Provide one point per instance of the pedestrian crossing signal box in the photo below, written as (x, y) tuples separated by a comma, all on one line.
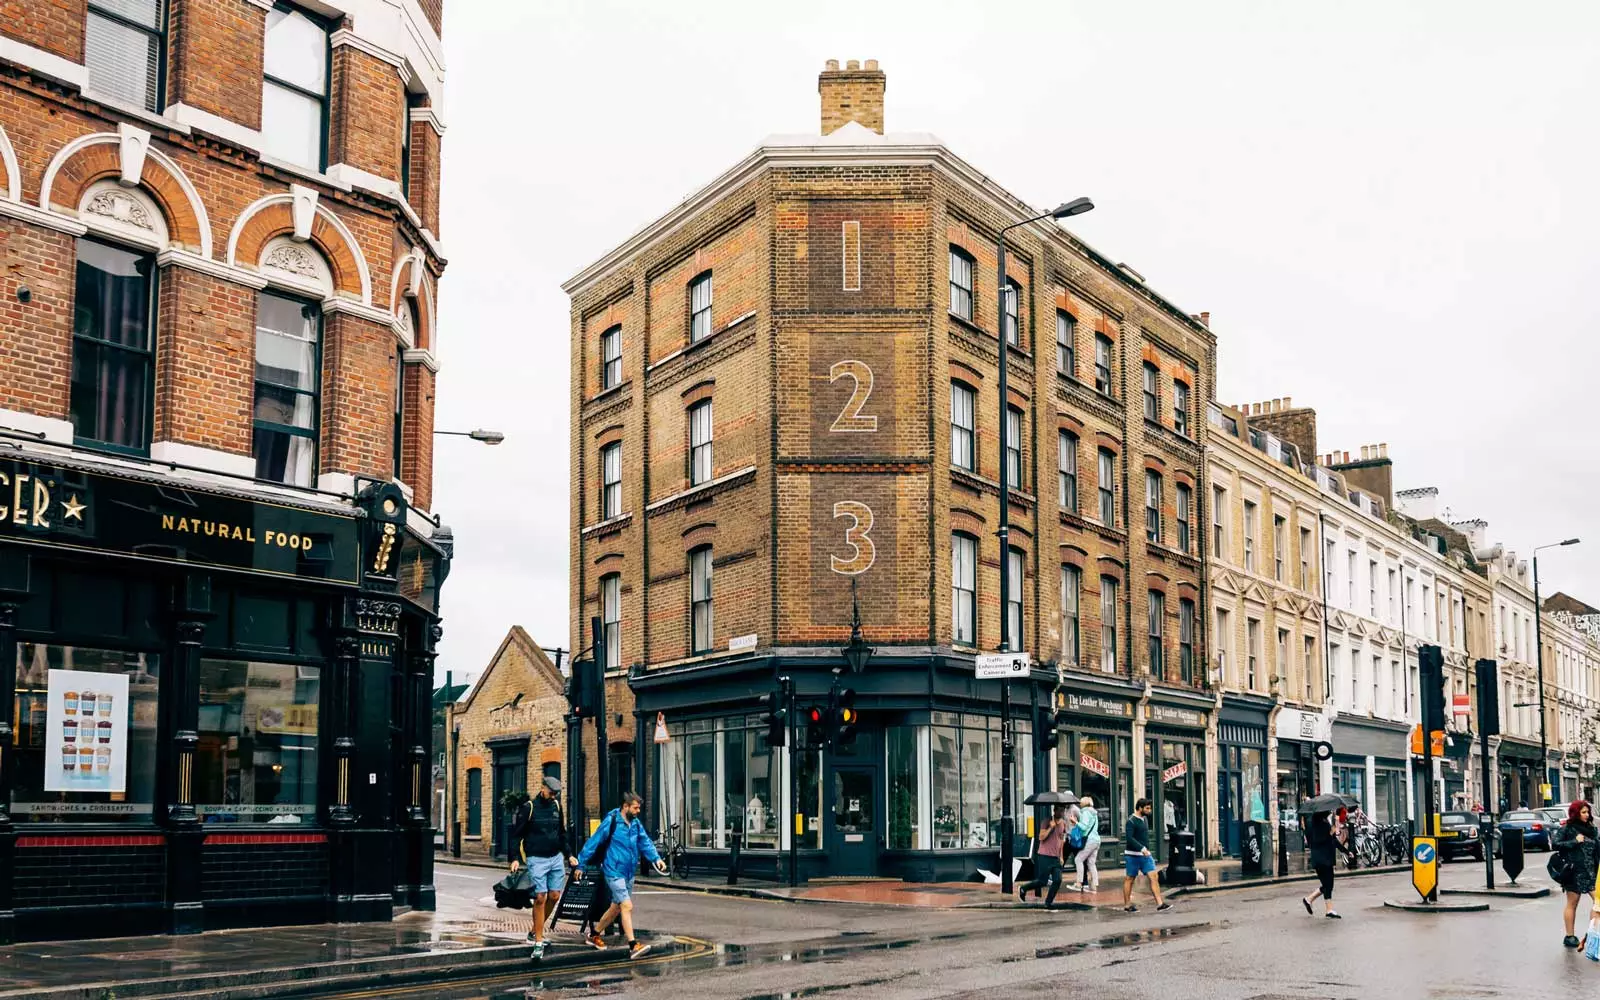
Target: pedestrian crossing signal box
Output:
[(1425, 868)]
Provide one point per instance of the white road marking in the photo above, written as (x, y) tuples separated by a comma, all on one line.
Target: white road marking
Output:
[(471, 878)]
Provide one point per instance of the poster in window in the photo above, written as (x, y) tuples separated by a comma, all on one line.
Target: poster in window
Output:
[(86, 737)]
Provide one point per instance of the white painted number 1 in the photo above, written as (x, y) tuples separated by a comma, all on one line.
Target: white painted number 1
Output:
[(864, 553), (850, 419)]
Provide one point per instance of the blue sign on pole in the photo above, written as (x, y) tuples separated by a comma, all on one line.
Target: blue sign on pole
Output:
[(1425, 853)]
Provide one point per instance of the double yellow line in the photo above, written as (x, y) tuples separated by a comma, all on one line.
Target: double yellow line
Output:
[(696, 948)]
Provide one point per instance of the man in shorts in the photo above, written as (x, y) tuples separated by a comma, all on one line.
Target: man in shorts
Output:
[(1137, 858), (540, 840), (627, 843)]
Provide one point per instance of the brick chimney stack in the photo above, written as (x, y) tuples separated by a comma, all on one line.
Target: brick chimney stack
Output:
[(852, 94)]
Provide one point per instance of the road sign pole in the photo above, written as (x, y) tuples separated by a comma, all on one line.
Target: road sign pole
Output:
[(1486, 830), (1007, 757)]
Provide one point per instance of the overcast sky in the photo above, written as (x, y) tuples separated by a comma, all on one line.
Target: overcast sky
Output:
[(1390, 210)]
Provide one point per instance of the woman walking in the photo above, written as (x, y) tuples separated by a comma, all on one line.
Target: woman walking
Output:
[(1047, 858), (1578, 845), (1322, 838), (1088, 830)]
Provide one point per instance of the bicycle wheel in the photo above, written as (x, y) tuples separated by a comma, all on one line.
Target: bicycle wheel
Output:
[(676, 864), (1370, 852)]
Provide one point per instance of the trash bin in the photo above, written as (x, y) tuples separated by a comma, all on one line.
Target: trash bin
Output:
[(1511, 852), (1180, 858), (1252, 850)]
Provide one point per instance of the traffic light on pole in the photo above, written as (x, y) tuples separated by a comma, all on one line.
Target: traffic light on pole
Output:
[(845, 717), (776, 706), (1430, 679), (1488, 697), (1045, 736), (816, 730)]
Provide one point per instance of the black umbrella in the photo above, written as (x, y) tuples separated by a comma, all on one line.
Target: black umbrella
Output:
[(1330, 802), (1062, 798)]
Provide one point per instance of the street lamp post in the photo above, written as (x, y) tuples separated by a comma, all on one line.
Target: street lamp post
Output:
[(487, 437), (1007, 741), (1538, 649)]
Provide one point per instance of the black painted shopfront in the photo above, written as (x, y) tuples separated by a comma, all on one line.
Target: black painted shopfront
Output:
[(214, 707), (1242, 787), (916, 796), (1095, 755), (1175, 771)]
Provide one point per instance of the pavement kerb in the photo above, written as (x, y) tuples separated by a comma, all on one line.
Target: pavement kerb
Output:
[(1256, 883), (256, 984)]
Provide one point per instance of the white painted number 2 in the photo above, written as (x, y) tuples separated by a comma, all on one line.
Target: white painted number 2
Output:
[(850, 419), (864, 553)]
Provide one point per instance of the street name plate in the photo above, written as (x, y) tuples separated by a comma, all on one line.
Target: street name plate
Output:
[(1002, 666)]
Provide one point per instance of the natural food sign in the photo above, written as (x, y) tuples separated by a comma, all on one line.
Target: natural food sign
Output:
[(86, 732)]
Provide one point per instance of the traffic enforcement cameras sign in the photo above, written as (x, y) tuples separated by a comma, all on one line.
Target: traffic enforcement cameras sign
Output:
[(1003, 666)]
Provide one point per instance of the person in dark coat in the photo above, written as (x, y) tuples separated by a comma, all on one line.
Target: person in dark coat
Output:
[(540, 840), (1323, 840), (1579, 844)]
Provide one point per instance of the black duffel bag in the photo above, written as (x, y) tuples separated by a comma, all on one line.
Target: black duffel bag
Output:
[(513, 891)]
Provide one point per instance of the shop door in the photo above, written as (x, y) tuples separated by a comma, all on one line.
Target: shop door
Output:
[(854, 840), (510, 775)]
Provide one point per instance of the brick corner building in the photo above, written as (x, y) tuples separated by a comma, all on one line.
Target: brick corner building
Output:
[(219, 261), (785, 401)]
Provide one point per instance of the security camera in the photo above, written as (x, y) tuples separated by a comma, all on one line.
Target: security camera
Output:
[(24, 293)]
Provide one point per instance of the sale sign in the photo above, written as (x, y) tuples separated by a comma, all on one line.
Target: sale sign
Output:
[(1094, 764)]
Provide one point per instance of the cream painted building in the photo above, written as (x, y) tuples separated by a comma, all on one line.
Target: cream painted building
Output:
[(1572, 661)]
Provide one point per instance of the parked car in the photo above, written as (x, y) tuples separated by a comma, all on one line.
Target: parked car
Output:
[(1460, 836), (1556, 816), (1534, 824)]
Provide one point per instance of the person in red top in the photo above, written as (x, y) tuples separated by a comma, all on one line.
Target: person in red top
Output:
[(1047, 858)]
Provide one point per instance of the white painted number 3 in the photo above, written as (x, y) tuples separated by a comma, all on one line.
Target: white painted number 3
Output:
[(864, 553), (850, 419)]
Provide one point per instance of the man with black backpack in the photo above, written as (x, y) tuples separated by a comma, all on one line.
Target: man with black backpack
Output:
[(540, 839), (620, 843)]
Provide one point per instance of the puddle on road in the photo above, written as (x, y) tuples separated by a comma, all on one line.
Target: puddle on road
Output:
[(727, 956), (1128, 940)]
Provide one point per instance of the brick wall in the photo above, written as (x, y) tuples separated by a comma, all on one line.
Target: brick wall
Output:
[(369, 112), (416, 455), (36, 336), (483, 722), (204, 331), (205, 361), (53, 25), (215, 50)]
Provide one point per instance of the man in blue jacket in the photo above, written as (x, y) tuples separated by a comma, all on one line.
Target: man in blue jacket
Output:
[(629, 844)]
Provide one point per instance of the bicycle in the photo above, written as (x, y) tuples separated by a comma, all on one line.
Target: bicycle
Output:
[(674, 853)]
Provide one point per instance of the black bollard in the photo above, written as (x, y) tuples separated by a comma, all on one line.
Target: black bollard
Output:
[(736, 838)]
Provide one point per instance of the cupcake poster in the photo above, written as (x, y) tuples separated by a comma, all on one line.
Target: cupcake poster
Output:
[(86, 734)]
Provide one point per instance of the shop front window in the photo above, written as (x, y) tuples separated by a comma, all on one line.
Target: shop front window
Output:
[(256, 761), (85, 734), (904, 784), (701, 794), (1095, 764), (965, 787)]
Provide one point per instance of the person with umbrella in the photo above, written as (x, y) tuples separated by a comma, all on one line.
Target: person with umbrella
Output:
[(1322, 838), (1049, 845)]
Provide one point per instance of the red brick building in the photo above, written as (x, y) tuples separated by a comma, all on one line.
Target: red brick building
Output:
[(785, 393), (219, 262)]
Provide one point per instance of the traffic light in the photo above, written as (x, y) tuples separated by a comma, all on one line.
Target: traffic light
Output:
[(776, 705), (1488, 697), (816, 730), (1430, 679), (1045, 736), (845, 717), (582, 689)]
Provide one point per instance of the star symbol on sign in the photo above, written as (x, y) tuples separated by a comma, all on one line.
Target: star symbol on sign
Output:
[(72, 510)]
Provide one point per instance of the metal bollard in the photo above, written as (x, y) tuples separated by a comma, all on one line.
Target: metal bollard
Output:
[(737, 841)]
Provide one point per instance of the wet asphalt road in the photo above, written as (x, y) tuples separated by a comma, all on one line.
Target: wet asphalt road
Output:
[(1255, 944)]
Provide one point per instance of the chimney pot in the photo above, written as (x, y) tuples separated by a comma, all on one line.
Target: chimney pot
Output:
[(1205, 319), (1366, 452), (1384, 448), (853, 64), (1346, 458), (833, 65), (872, 64), (1287, 404)]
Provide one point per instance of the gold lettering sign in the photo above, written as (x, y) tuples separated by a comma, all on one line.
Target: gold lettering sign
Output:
[(29, 506), (234, 532)]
